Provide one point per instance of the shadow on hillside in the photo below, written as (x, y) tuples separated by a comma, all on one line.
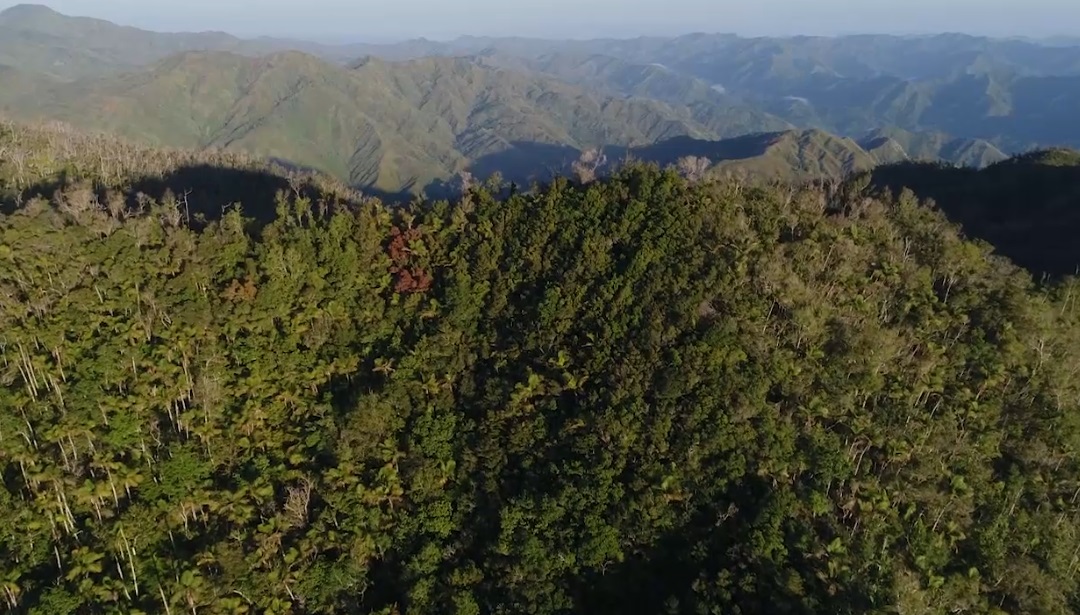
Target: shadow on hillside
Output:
[(671, 150), (1027, 209), (526, 162), (204, 191), (386, 196), (685, 568), (209, 191)]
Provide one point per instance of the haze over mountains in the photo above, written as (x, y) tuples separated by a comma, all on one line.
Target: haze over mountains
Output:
[(408, 117)]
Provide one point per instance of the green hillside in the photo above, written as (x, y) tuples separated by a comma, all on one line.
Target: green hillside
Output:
[(727, 116), (789, 156), (637, 395), (896, 145), (37, 39), (490, 109), (387, 126)]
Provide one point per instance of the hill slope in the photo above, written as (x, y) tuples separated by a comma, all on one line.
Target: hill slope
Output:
[(38, 39), (1027, 206), (41, 161), (728, 116), (787, 156), (895, 145), (389, 126), (1011, 93), (638, 395)]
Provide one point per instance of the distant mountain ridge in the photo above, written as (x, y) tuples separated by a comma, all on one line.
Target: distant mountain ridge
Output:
[(996, 90), (407, 116), (34, 37), (896, 145), (389, 126), (37, 38), (406, 126)]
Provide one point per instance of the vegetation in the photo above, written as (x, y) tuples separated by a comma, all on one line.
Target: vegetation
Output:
[(411, 118), (639, 394), (38, 39), (37, 161), (893, 145), (1025, 206), (385, 126), (611, 374), (412, 126)]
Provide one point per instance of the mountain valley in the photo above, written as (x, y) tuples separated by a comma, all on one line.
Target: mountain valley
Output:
[(410, 117)]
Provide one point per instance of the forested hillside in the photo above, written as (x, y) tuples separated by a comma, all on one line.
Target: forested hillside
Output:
[(641, 394)]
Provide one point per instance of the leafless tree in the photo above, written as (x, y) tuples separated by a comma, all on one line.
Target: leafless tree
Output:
[(587, 165), (297, 502), (465, 181), (693, 168)]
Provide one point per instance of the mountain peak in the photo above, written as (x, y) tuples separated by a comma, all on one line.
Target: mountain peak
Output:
[(294, 60), (26, 13), (28, 9)]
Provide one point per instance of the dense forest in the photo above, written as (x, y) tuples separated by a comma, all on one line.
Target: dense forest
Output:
[(225, 388)]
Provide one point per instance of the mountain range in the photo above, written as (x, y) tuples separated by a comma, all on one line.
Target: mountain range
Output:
[(407, 117), (386, 125)]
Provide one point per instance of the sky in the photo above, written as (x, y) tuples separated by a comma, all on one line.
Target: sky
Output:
[(388, 20)]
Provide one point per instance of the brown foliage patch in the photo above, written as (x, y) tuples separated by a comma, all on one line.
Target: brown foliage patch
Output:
[(238, 291), (410, 277)]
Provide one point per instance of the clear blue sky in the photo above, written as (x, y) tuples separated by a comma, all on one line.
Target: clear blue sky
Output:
[(396, 19)]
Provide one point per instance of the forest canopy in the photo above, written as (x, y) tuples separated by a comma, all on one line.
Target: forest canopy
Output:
[(639, 394)]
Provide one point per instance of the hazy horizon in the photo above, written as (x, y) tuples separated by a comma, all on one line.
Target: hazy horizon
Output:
[(340, 21)]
